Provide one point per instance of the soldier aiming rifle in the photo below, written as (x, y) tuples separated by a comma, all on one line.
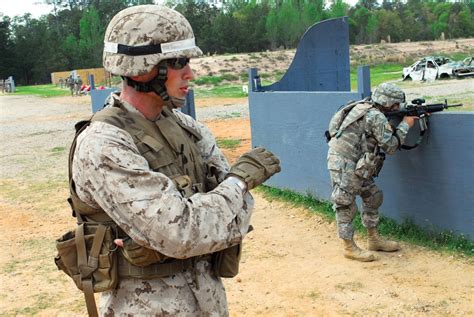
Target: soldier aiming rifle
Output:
[(419, 108)]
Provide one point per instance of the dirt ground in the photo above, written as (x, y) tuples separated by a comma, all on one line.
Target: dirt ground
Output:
[(292, 263)]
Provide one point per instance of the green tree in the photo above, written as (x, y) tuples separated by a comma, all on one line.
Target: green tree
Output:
[(31, 49), (441, 15), (312, 12), (338, 9), (251, 26), (271, 27), (359, 25), (461, 21), (389, 24), (201, 16), (91, 39), (70, 51), (6, 49)]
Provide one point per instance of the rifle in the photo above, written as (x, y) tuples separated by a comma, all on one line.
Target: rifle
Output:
[(420, 109)]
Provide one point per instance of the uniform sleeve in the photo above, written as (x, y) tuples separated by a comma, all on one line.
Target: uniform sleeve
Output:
[(207, 146), (379, 127), (110, 173)]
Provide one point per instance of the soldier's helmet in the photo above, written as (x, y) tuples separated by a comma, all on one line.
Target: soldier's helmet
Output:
[(387, 95), (140, 37)]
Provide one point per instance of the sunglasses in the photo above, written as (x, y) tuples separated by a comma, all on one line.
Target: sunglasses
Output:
[(178, 63)]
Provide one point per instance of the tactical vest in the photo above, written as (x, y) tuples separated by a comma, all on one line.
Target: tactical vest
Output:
[(88, 253), (168, 146)]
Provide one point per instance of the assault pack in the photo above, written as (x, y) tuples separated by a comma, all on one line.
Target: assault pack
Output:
[(339, 123)]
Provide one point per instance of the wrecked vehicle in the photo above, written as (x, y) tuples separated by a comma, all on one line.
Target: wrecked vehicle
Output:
[(429, 68), (464, 68)]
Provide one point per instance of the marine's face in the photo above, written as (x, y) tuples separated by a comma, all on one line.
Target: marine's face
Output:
[(395, 107), (179, 75)]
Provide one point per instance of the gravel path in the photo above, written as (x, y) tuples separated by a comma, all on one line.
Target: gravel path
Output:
[(223, 112)]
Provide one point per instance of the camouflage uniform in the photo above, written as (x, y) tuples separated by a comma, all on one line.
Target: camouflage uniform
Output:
[(109, 172), (78, 85), (357, 140)]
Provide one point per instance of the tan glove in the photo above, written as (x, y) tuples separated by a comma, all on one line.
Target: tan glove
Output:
[(140, 256), (255, 167)]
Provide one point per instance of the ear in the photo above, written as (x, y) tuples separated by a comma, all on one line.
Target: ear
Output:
[(146, 77)]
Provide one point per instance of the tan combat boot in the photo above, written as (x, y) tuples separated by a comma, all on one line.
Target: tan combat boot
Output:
[(377, 243), (353, 252)]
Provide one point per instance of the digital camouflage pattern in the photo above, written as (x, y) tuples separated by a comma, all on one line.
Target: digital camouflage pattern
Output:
[(109, 172), (388, 94), (145, 25), (358, 140)]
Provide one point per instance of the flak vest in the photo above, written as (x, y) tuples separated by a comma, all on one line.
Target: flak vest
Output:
[(169, 148), (88, 253)]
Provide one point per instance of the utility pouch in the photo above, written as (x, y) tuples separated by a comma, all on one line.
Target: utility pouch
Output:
[(139, 255), (365, 166), (369, 165), (225, 263), (88, 256)]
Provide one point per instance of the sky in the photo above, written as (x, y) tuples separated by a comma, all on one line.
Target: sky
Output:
[(37, 8), (20, 7)]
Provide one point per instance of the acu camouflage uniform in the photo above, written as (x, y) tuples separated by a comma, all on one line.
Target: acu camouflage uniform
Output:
[(348, 156), (109, 172)]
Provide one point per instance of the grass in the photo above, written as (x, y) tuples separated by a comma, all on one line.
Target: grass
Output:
[(228, 91), (215, 80), (228, 143), (58, 149), (42, 302), (42, 91), (407, 231), (379, 74)]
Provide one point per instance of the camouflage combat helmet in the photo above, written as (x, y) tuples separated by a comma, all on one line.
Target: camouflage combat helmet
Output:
[(387, 95), (140, 37)]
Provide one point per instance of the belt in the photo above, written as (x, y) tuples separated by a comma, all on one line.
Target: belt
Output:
[(158, 270)]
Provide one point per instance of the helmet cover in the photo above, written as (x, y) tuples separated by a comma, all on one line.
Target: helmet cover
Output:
[(387, 95), (138, 38)]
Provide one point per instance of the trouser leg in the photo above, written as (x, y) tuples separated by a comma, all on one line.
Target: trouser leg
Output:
[(344, 217), (372, 198)]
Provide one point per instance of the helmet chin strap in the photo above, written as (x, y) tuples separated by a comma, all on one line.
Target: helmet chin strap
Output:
[(157, 85)]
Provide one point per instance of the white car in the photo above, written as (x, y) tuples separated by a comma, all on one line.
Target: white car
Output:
[(429, 68), (464, 68)]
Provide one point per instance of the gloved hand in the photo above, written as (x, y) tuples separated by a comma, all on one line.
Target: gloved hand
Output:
[(255, 167), (138, 255)]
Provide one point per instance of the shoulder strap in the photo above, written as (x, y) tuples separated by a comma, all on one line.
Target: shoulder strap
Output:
[(169, 113), (78, 206), (355, 113)]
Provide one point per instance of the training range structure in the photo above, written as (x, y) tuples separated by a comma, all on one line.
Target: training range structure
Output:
[(431, 185)]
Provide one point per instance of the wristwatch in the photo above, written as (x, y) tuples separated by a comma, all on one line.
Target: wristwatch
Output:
[(237, 181)]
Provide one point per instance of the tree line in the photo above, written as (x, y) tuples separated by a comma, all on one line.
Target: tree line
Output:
[(71, 35)]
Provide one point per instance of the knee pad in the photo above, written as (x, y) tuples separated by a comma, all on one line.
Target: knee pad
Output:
[(341, 198), (375, 200)]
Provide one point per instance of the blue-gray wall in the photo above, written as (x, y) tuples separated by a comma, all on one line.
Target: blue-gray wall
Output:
[(321, 61), (431, 185)]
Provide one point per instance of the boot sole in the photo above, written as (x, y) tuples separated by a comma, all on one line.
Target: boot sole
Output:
[(371, 259), (384, 250)]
